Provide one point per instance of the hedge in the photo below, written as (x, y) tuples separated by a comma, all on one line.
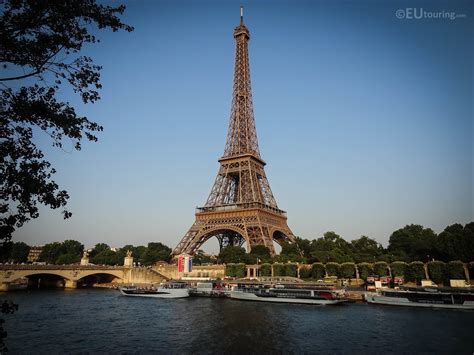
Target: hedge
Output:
[(240, 270), (380, 268), (317, 271), (455, 270), (415, 271), (365, 269), (332, 269), (305, 272), (266, 270), (347, 270), (235, 270), (279, 270), (291, 270), (437, 271), (398, 268)]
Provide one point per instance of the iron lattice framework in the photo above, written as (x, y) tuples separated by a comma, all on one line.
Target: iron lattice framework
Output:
[(241, 207)]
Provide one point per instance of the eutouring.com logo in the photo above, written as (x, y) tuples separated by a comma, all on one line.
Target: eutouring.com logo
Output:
[(413, 13)]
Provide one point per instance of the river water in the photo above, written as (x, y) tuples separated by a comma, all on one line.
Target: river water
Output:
[(100, 320)]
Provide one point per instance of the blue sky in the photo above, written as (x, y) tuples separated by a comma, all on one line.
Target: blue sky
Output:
[(365, 120)]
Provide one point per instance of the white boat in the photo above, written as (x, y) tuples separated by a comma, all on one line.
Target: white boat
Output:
[(168, 290), (423, 297), (289, 295)]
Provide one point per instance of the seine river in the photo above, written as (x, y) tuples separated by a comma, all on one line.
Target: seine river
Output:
[(98, 321)]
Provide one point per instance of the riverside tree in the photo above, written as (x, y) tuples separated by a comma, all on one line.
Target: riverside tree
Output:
[(40, 44)]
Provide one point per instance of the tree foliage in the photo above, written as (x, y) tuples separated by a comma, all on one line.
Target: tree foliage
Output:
[(318, 271), (456, 243), (40, 43), (347, 270), (398, 268), (380, 268), (19, 252), (413, 241), (201, 258), (415, 271), (333, 269), (259, 254), (66, 252), (305, 272), (232, 254), (437, 271), (156, 252), (266, 269), (455, 270), (291, 269), (279, 269), (365, 269)]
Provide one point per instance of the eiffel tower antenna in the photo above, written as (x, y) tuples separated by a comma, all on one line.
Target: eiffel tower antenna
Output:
[(241, 207)]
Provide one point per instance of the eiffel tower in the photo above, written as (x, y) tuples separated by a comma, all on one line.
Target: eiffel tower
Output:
[(241, 207)]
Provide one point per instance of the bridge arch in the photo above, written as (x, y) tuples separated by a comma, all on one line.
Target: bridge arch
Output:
[(97, 277), (16, 275)]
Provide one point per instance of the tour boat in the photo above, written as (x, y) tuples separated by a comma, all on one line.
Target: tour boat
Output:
[(289, 295), (423, 297), (168, 290)]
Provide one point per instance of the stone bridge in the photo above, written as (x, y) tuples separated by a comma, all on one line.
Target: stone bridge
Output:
[(69, 276)]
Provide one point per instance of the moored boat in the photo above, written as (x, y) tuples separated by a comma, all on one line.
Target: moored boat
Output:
[(289, 295), (168, 290), (423, 297)]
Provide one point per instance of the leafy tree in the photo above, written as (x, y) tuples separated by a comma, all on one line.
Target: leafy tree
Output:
[(398, 268), (5, 251), (232, 254), (240, 270), (347, 270), (455, 270), (72, 247), (471, 270), (305, 272), (437, 271), (291, 269), (51, 252), (365, 269), (415, 241), (40, 43), (260, 252), (266, 269), (330, 247), (415, 271), (297, 252), (380, 268), (318, 271), (19, 252), (456, 243), (230, 269), (156, 252), (365, 249), (279, 269), (98, 248), (106, 257), (7, 307), (202, 258), (67, 259), (333, 269)]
